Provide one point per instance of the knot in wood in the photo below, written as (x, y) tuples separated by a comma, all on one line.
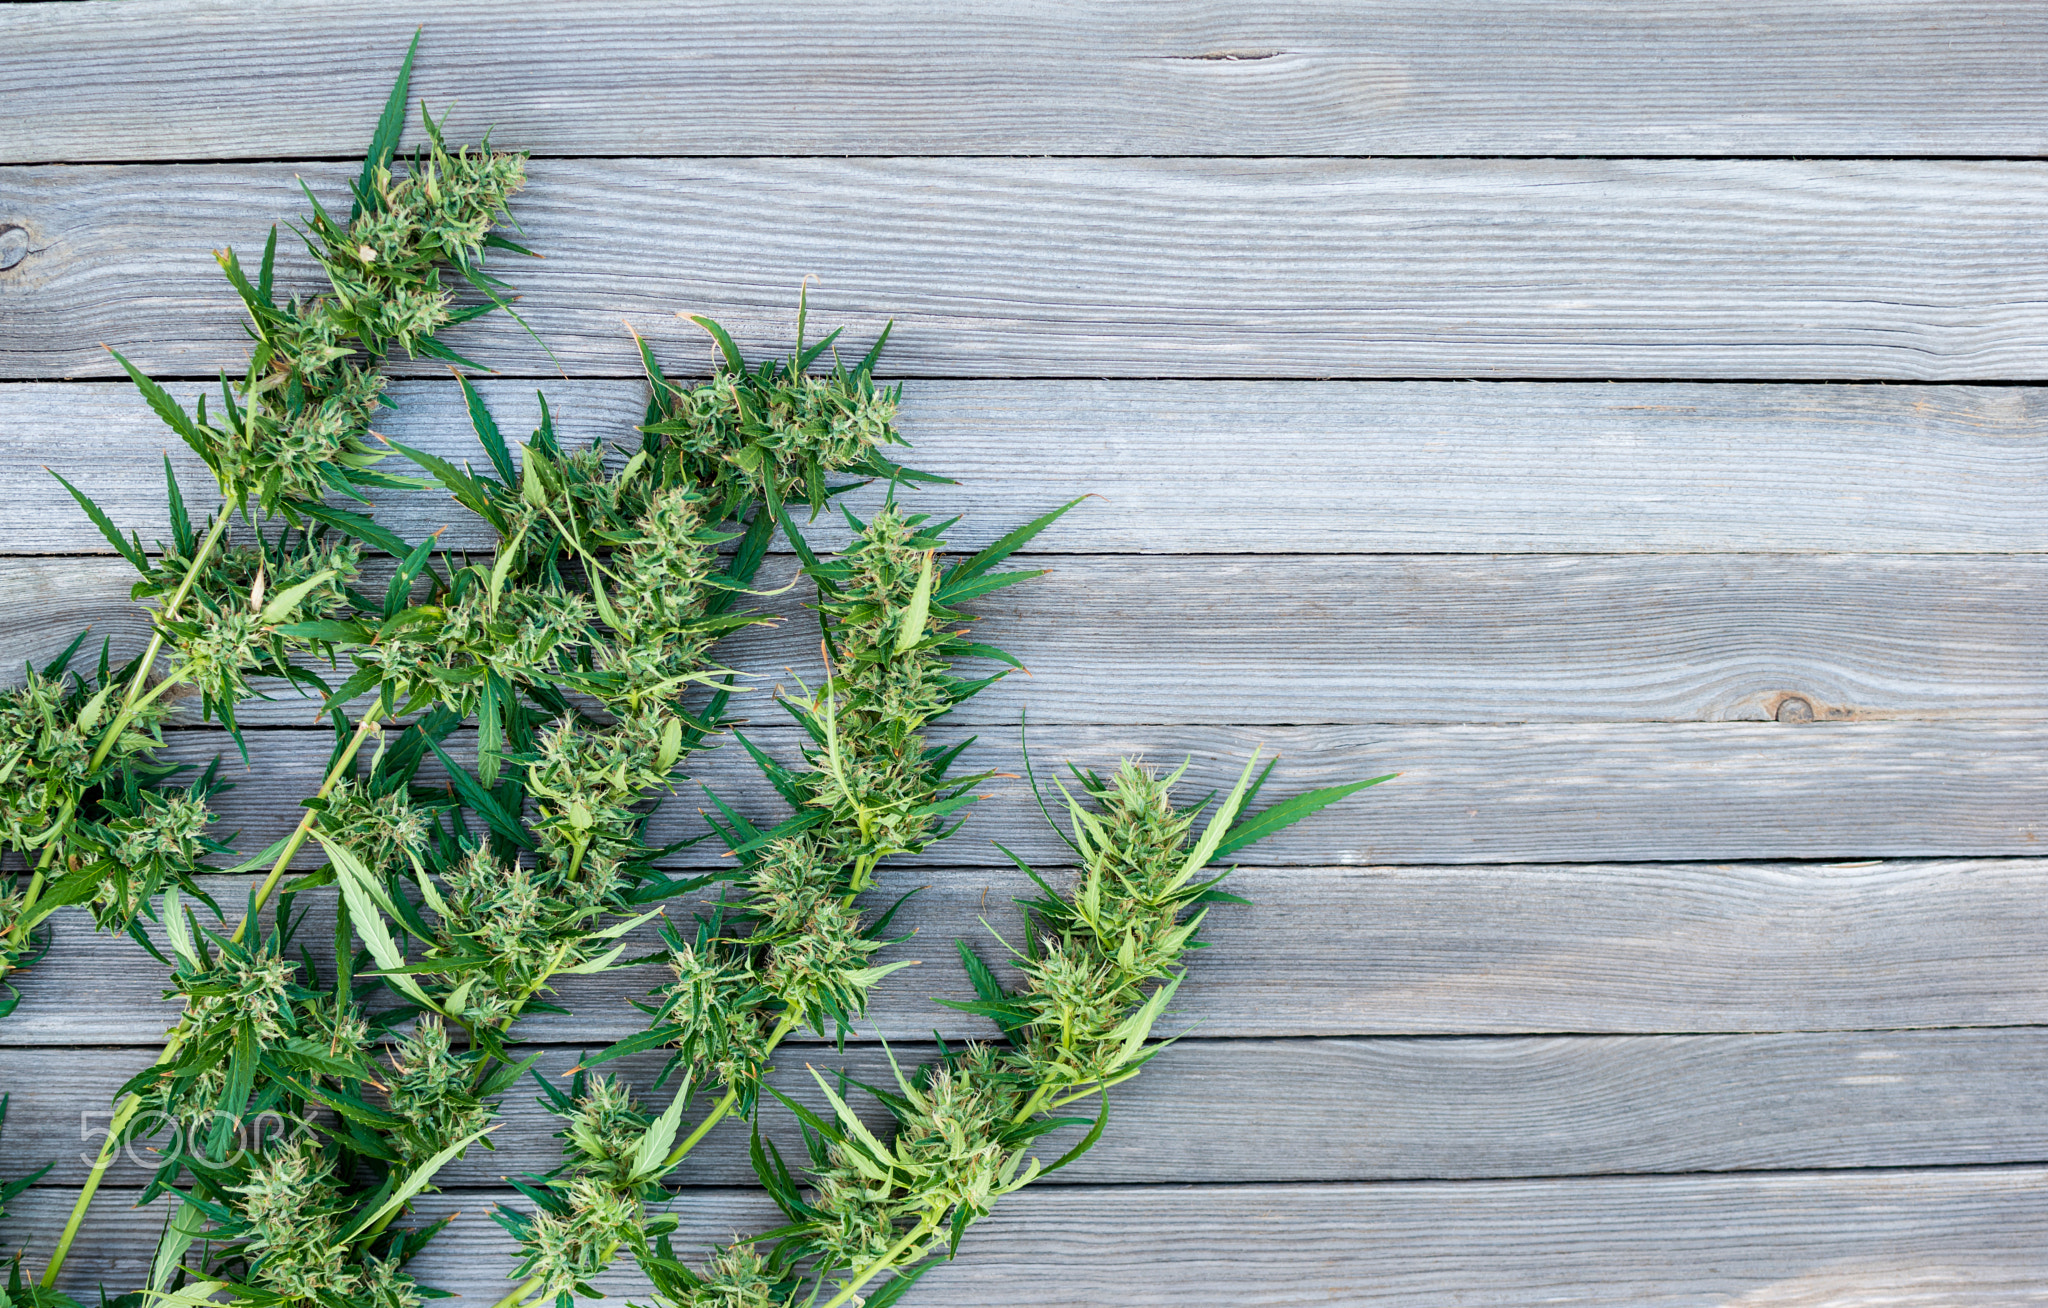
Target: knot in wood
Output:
[(13, 245), (1794, 709)]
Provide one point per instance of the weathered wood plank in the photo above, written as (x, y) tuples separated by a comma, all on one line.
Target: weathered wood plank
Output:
[(1968, 1238), (1012, 267), (1466, 794), (1622, 949), (1338, 1110), (1340, 467), (1410, 639), (1148, 78)]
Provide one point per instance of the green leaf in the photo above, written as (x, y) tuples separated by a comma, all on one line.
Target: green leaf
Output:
[(467, 490), (390, 126), (232, 266), (1002, 549), (339, 633), (481, 801), (733, 359), (1260, 825), (652, 1151), (1087, 1141), (434, 349), (911, 631), (269, 266), (311, 1056), (283, 602), (355, 524), (967, 588), (632, 1044), (197, 1294), (416, 1181), (899, 1284), (181, 521), (168, 409), (867, 363), (186, 1223), (978, 974), (362, 892), (105, 524), (1219, 823), (486, 428)]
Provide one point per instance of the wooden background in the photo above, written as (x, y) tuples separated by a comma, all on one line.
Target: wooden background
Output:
[(1616, 418)]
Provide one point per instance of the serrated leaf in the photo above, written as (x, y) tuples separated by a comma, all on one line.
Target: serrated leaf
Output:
[(1284, 814)]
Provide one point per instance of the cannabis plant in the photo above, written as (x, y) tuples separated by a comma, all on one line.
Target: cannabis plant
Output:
[(261, 1035), (789, 947), (299, 1111), (1104, 960)]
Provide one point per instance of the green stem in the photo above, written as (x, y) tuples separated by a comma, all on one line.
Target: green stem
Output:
[(722, 1107), (1034, 1103), (176, 1040), (122, 1117), (364, 731), (35, 891), (518, 1295), (130, 704), (924, 1228), (36, 882), (156, 640)]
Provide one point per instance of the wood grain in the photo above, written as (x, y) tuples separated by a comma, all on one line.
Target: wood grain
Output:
[(1335, 1110), (1731, 77), (1603, 948), (1147, 267), (1466, 794), (1965, 1238), (1336, 467), (1400, 639)]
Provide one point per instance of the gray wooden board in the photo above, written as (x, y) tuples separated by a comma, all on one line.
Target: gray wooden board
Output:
[(1248, 467), (1942, 1238), (1147, 267), (958, 78), (1327, 1110), (1198, 640), (1322, 951), (1465, 794), (1461, 974)]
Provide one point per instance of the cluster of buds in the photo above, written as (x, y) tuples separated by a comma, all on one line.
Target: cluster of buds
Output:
[(795, 949), (83, 800), (308, 1214), (592, 1205), (1107, 957)]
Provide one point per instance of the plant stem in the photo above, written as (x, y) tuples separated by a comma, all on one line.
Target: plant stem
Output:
[(176, 1040), (28, 900), (122, 1117), (534, 1283), (364, 730), (156, 639), (1033, 1104), (519, 1294), (722, 1107), (130, 704), (923, 1228)]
